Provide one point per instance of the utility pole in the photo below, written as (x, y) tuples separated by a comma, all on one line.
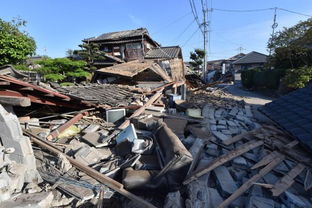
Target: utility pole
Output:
[(205, 24), (274, 26), (205, 46)]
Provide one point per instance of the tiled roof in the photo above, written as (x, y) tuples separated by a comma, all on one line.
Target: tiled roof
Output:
[(104, 94), (252, 57), (163, 52), (293, 112), (119, 35)]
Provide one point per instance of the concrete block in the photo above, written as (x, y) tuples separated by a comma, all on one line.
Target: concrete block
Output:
[(220, 136), (233, 112), (91, 128), (214, 198), (12, 136), (221, 127), (292, 200), (256, 201), (35, 200), (225, 182), (222, 122), (173, 199), (240, 162)]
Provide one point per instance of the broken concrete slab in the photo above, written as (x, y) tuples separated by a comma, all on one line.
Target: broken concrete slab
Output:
[(12, 137), (256, 201), (225, 181), (220, 135), (35, 200), (174, 199)]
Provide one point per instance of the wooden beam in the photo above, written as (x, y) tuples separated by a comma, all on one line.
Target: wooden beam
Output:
[(15, 101), (287, 181), (66, 125), (107, 181), (265, 160), (239, 137), (4, 83), (26, 89), (223, 159), (141, 109), (241, 190)]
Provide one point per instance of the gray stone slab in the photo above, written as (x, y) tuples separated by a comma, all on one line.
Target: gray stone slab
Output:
[(256, 201), (221, 127), (233, 112), (220, 136), (214, 198), (292, 200), (91, 128), (225, 182)]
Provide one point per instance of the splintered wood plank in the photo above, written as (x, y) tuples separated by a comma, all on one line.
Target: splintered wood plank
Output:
[(239, 137), (223, 159), (291, 144), (241, 190), (265, 160), (287, 181), (308, 180)]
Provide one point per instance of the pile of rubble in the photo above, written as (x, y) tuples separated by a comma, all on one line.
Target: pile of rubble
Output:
[(155, 150)]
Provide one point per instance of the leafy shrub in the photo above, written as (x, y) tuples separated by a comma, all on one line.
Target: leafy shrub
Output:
[(247, 77), (298, 78), (64, 84), (262, 78), (59, 68), (54, 77), (21, 67)]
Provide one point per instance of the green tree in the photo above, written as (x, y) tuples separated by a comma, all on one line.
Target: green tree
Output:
[(59, 69), (197, 58), (90, 52), (291, 47), (15, 45)]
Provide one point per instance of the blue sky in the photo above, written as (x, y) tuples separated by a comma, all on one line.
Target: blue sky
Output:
[(59, 25)]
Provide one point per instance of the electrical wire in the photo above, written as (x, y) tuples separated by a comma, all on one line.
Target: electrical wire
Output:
[(190, 37), (194, 11), (171, 23), (241, 10), (260, 10), (187, 27), (294, 12)]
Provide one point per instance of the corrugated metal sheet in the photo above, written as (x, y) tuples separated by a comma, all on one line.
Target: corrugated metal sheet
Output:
[(163, 52), (252, 57), (293, 112)]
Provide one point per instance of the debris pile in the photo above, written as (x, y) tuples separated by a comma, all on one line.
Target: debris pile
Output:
[(124, 147)]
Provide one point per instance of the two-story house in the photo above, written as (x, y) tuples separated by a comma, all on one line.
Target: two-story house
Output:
[(123, 46)]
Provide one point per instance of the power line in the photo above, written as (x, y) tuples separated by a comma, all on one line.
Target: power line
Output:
[(294, 12), (194, 11), (242, 10), (171, 23), (190, 37), (187, 27), (260, 10)]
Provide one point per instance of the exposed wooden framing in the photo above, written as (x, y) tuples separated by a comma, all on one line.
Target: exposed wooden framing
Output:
[(115, 185), (66, 125), (287, 181), (141, 109), (4, 83), (239, 137), (15, 101), (27, 89), (223, 159), (241, 190), (266, 160)]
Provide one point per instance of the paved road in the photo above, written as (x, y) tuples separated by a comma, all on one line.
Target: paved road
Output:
[(250, 97)]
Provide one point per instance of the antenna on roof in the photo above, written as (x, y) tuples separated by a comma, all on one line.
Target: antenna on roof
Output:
[(240, 49)]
